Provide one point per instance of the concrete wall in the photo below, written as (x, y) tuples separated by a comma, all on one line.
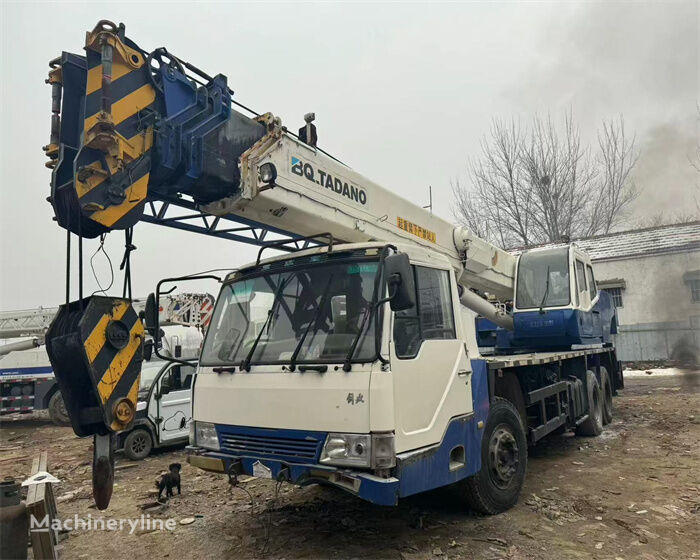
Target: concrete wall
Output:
[(658, 318)]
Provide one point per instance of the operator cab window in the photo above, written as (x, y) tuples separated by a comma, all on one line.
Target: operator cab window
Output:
[(591, 282), (580, 277), (430, 318), (543, 279)]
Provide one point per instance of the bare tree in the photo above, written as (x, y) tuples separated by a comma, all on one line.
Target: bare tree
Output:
[(498, 205), (543, 184), (616, 159)]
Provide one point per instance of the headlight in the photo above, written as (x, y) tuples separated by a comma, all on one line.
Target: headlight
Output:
[(205, 436), (359, 450), (268, 173)]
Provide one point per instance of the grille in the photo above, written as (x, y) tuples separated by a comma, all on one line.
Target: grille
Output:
[(270, 446)]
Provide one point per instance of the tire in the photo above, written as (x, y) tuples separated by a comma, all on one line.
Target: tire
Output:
[(138, 444), (57, 410), (607, 396), (496, 488), (593, 425)]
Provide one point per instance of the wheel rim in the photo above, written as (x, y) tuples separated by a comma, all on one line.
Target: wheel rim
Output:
[(139, 444), (504, 456)]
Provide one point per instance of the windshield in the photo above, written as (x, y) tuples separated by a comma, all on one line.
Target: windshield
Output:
[(534, 268), (312, 314)]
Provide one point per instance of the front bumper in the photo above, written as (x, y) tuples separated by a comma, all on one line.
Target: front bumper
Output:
[(380, 491)]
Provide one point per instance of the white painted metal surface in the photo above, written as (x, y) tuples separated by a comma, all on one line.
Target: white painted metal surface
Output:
[(314, 194)]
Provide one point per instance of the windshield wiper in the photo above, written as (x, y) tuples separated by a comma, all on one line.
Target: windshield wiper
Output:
[(546, 292), (321, 305), (245, 364)]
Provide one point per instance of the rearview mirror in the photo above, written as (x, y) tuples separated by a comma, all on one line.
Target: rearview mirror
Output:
[(151, 314), (399, 279)]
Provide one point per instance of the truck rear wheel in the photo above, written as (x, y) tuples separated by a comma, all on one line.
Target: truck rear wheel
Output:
[(496, 487), (593, 425), (57, 410), (138, 444), (607, 396)]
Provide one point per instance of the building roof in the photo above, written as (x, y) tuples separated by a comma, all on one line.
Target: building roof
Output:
[(675, 238)]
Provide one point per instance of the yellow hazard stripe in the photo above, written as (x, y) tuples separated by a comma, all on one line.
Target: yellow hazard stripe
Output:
[(135, 194), (120, 362), (127, 106), (138, 144), (98, 337), (94, 76), (134, 391)]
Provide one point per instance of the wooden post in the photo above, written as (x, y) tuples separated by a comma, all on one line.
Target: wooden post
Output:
[(41, 503)]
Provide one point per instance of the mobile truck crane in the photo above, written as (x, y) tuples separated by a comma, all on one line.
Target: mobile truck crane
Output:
[(352, 360)]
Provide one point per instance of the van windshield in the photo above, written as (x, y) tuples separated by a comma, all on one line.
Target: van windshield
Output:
[(312, 314), (543, 279)]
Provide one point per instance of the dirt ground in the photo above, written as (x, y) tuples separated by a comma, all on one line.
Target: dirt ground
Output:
[(633, 492)]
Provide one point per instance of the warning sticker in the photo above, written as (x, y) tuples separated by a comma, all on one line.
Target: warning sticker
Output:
[(416, 230)]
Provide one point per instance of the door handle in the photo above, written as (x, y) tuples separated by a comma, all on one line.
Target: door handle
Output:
[(463, 372)]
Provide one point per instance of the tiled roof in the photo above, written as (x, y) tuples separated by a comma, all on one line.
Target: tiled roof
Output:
[(648, 241)]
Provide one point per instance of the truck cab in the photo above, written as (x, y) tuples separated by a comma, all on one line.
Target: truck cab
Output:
[(557, 303), (307, 374)]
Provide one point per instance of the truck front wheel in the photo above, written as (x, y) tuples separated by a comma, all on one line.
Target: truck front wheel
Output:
[(496, 487), (57, 410)]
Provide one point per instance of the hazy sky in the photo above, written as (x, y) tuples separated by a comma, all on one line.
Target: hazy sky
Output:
[(402, 93)]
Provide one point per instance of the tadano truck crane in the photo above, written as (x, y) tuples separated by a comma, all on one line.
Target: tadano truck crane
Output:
[(348, 358)]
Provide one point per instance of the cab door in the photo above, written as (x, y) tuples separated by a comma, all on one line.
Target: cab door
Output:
[(173, 403), (429, 362)]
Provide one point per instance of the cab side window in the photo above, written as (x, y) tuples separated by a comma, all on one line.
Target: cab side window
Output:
[(591, 282), (430, 318), (580, 276), (178, 378)]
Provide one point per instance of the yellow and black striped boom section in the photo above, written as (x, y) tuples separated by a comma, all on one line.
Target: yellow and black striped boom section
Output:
[(127, 125), (96, 348), (102, 133)]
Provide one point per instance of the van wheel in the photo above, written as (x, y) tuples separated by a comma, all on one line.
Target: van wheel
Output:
[(607, 396), (57, 410), (138, 444), (593, 425), (496, 487)]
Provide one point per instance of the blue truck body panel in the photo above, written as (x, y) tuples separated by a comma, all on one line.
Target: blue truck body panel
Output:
[(416, 471), (552, 329)]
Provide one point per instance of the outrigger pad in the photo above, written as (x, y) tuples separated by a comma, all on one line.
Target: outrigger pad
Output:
[(96, 348)]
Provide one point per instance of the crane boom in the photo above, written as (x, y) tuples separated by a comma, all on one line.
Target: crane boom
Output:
[(136, 127)]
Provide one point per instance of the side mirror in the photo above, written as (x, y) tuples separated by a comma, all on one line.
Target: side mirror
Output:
[(400, 282), (151, 315), (148, 350), (164, 389)]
